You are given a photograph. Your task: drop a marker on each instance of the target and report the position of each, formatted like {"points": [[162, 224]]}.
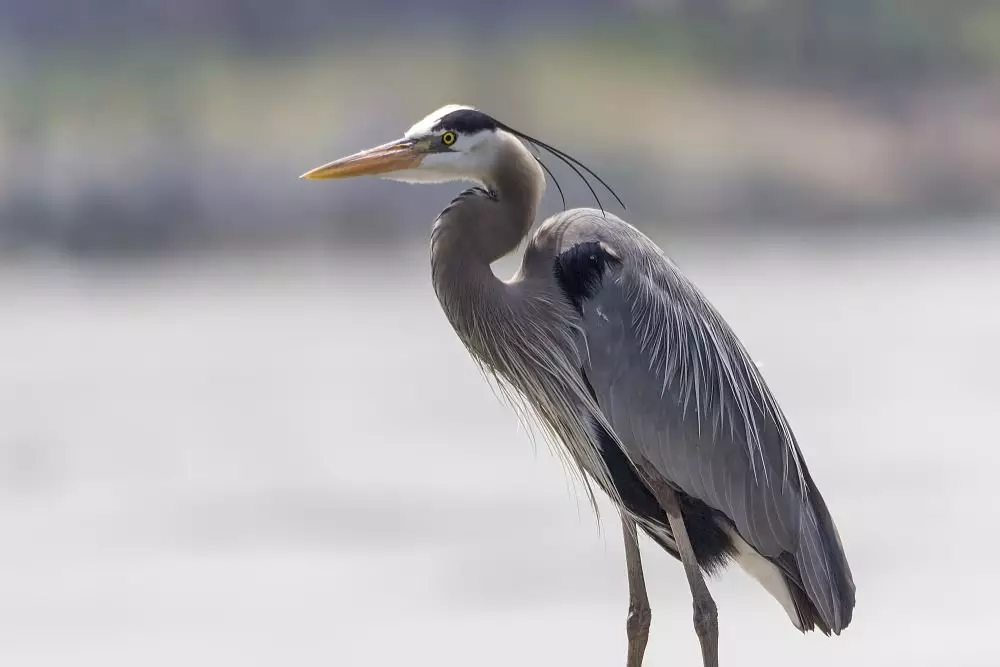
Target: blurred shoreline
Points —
{"points": [[148, 150]]}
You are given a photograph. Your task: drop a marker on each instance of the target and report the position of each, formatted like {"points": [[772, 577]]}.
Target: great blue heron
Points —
{"points": [[628, 368]]}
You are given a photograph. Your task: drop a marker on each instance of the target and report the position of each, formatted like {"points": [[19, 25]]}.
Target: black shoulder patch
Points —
{"points": [[579, 270], [465, 121]]}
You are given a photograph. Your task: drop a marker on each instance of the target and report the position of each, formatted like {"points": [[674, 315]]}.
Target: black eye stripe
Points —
{"points": [[465, 121], [471, 121]]}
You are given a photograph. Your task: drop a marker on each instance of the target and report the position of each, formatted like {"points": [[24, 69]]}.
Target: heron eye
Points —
{"points": [[448, 138]]}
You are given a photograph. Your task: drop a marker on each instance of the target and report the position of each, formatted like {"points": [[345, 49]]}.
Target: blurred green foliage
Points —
{"points": [[193, 122], [889, 42], [843, 40]]}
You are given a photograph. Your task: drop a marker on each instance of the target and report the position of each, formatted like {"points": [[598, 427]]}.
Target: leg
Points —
{"points": [[706, 619], [639, 614]]}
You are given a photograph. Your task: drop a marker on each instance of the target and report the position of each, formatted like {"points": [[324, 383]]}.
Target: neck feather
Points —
{"points": [[518, 184], [478, 228], [489, 227]]}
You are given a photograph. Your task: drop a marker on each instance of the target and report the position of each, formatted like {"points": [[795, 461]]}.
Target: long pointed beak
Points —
{"points": [[393, 156]]}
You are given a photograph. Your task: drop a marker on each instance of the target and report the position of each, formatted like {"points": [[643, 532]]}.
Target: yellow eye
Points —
{"points": [[448, 138]]}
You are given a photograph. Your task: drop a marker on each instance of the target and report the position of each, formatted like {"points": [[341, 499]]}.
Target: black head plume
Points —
{"points": [[571, 162], [470, 121], [465, 121]]}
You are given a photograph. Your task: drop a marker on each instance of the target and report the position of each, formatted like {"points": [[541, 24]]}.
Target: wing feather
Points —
{"points": [[685, 397]]}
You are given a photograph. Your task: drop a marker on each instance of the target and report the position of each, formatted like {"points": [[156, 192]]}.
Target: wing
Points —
{"points": [[685, 398]]}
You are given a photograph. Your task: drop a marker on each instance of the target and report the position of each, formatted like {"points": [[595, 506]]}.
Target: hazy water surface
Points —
{"points": [[294, 462]]}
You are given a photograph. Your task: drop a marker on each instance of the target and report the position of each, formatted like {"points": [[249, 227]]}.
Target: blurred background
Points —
{"points": [[236, 429]]}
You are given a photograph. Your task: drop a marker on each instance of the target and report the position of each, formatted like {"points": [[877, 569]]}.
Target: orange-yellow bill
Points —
{"points": [[393, 156]]}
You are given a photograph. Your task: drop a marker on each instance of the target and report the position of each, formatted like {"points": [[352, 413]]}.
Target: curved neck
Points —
{"points": [[479, 228], [517, 183], [486, 228]]}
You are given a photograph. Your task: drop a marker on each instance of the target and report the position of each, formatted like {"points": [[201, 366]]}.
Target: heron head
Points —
{"points": [[453, 143]]}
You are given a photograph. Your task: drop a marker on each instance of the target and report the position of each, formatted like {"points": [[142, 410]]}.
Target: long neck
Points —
{"points": [[488, 228], [476, 230]]}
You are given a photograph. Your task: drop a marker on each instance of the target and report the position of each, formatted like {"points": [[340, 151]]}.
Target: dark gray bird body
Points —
{"points": [[652, 340], [636, 377], [677, 389]]}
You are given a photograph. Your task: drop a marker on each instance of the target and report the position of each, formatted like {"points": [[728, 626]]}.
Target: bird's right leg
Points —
{"points": [[706, 617], [639, 614]]}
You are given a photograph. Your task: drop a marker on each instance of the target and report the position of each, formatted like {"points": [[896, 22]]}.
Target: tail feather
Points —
{"points": [[826, 595], [809, 617], [814, 584]]}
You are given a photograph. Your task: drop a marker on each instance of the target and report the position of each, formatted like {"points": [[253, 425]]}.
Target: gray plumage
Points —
{"points": [[683, 396], [635, 378]]}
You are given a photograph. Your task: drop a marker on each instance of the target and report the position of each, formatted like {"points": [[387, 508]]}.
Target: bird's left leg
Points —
{"points": [[639, 614], [706, 617]]}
